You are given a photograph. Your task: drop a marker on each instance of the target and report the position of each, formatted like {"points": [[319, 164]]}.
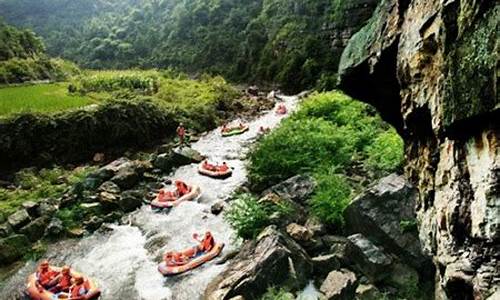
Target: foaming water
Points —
{"points": [[310, 292], [123, 261]]}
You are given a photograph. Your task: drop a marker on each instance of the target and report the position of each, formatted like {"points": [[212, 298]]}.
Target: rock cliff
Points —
{"points": [[430, 68]]}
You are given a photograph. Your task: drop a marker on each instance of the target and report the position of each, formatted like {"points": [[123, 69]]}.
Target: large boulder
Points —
{"points": [[5, 229], [13, 248], [19, 219], [340, 285], [273, 259], [177, 157], [35, 229], [378, 214], [369, 259], [130, 200], [31, 208], [297, 189], [55, 228], [126, 178]]}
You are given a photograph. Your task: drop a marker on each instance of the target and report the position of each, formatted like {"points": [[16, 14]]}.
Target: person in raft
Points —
{"points": [[80, 289], [62, 282], [181, 189], [223, 168], [206, 244], [225, 128], [181, 133], [208, 166], [45, 275]]}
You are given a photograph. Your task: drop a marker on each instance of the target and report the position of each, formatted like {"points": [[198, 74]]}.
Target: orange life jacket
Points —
{"points": [[65, 282], [79, 290], [181, 131], [207, 244], [182, 189], [45, 277]]}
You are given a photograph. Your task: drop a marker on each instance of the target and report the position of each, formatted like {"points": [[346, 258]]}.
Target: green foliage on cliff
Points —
{"points": [[283, 41], [327, 137]]}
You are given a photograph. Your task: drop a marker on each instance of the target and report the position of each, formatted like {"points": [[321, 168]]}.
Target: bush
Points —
{"points": [[248, 217], [146, 82], [385, 154], [331, 197], [274, 293]]}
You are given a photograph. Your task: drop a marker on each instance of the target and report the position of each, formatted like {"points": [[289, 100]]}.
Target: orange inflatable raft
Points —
{"points": [[217, 173], [171, 270], [35, 294], [194, 191], [281, 110]]}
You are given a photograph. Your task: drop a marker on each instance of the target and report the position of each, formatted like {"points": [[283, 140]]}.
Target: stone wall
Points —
{"points": [[430, 68]]}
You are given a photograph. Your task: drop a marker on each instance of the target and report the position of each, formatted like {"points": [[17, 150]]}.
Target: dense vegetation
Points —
{"points": [[22, 58], [282, 41], [341, 142]]}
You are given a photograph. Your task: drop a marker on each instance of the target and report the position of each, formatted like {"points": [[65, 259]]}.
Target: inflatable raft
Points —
{"points": [[281, 110], [35, 294], [235, 131], [194, 191], [195, 262], [214, 174]]}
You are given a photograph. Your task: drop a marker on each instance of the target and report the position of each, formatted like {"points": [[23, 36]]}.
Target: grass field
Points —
{"points": [[39, 98]]}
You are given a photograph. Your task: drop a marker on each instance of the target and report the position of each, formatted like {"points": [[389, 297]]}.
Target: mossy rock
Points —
{"points": [[13, 248]]}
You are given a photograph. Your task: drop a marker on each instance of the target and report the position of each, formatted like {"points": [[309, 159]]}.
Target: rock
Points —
{"points": [[239, 297], [177, 157], [378, 213], [340, 247], [19, 219], [108, 200], [156, 242], [420, 62], [272, 259], [32, 208], [76, 233], [368, 292], [93, 223], [324, 264], [296, 189], [314, 225], [253, 90], [299, 233], [369, 259], [113, 216], [35, 229], [5, 229], [91, 209], [98, 157], [163, 162], [402, 276], [109, 187], [130, 200], [55, 228], [217, 207], [13, 248], [46, 208], [126, 178], [340, 285]]}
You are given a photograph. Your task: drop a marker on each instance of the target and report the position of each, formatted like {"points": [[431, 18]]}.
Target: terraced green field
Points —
{"points": [[39, 98]]}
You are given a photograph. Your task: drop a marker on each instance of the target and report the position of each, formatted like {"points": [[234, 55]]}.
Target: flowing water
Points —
{"points": [[123, 260]]}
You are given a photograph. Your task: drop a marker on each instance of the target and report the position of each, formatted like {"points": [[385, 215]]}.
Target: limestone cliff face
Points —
{"points": [[430, 67]]}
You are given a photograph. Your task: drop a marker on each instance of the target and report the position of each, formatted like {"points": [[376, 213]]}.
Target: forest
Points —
{"points": [[276, 42]]}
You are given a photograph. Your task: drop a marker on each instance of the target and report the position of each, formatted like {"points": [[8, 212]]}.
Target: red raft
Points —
{"points": [[35, 294], [171, 270], [281, 110], [215, 172], [194, 191]]}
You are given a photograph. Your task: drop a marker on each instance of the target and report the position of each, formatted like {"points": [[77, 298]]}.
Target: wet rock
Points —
{"points": [[113, 216], [324, 264], [340, 285], [370, 259], [272, 259], [13, 248], [126, 178], [47, 207], [32, 208], [297, 189], [163, 162], [91, 209], [55, 228], [299, 233], [93, 223], [217, 207], [378, 213], [156, 242], [226, 257], [35, 229], [109, 187], [76, 233], [5, 229], [368, 292], [338, 246], [108, 200], [18, 219], [314, 225], [130, 200]]}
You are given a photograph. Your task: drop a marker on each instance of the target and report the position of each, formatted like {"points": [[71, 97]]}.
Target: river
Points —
{"points": [[123, 260]]}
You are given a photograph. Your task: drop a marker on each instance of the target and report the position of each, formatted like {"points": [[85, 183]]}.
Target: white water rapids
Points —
{"points": [[123, 261]]}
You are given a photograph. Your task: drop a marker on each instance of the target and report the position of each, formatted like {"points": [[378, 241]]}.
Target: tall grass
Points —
{"points": [[39, 98]]}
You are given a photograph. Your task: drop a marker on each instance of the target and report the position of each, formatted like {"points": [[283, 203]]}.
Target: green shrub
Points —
{"points": [[385, 154], [248, 217], [331, 197], [146, 82], [274, 293]]}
